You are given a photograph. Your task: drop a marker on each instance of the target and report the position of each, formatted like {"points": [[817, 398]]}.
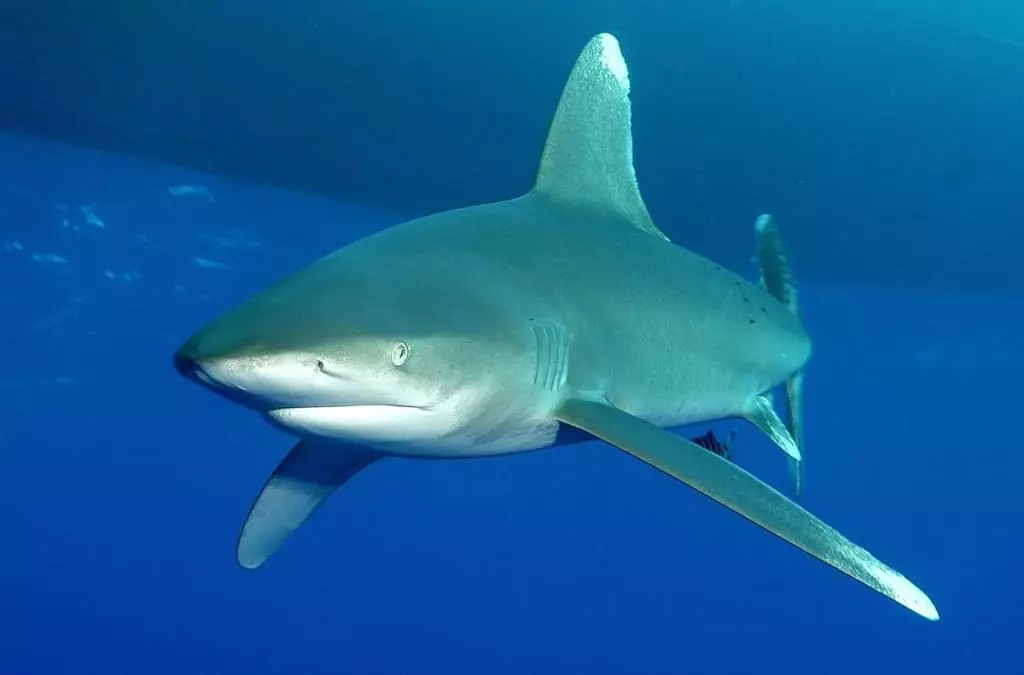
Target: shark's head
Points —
{"points": [[347, 352]]}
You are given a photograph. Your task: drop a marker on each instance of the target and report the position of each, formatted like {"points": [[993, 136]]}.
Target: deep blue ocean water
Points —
{"points": [[124, 485]]}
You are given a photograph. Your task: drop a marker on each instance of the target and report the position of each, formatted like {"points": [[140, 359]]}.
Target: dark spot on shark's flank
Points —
{"points": [[751, 319]]}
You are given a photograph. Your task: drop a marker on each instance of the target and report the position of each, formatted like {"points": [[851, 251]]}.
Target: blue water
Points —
{"points": [[124, 486]]}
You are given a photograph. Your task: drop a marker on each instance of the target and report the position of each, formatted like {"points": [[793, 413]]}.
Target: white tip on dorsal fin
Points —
{"points": [[588, 156]]}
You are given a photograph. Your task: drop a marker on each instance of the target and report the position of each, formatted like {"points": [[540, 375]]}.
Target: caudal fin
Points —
{"points": [[777, 279]]}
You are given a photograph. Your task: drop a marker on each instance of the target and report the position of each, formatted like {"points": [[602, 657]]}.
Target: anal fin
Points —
{"points": [[740, 491], [303, 480]]}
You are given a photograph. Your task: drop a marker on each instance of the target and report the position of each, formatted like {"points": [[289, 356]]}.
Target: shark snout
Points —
{"points": [[189, 361], [274, 380], [186, 365], [213, 372], [190, 367]]}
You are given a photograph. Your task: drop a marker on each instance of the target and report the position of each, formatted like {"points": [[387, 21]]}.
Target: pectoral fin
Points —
{"points": [[733, 487], [303, 480]]}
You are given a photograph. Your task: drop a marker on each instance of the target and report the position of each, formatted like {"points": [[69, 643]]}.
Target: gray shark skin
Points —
{"points": [[487, 329]]}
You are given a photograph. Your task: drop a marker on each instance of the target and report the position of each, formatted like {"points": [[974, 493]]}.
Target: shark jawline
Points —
{"points": [[344, 406], [370, 424]]}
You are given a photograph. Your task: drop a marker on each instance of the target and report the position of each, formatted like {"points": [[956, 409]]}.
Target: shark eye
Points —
{"points": [[399, 353]]}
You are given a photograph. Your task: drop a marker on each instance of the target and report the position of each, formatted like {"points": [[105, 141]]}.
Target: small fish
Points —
{"points": [[711, 443]]}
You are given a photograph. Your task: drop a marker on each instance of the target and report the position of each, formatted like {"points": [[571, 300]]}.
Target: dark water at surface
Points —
{"points": [[886, 134]]}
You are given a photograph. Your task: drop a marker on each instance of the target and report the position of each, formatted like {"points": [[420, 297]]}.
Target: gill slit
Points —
{"points": [[552, 368]]}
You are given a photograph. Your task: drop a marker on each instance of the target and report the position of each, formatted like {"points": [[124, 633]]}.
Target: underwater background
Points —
{"points": [[124, 486]]}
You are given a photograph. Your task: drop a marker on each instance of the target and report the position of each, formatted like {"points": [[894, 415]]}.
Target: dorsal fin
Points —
{"points": [[588, 156]]}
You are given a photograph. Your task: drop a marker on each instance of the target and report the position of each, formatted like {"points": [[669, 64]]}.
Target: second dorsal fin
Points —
{"points": [[588, 156]]}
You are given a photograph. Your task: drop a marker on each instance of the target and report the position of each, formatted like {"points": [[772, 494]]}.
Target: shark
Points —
{"points": [[556, 316]]}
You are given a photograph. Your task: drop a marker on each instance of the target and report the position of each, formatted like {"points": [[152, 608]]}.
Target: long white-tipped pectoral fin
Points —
{"points": [[738, 490], [303, 480]]}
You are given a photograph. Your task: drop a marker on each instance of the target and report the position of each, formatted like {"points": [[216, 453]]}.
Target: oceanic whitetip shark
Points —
{"points": [[489, 329]]}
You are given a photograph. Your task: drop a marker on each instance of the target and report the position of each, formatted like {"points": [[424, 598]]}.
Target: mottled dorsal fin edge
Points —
{"points": [[588, 156]]}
